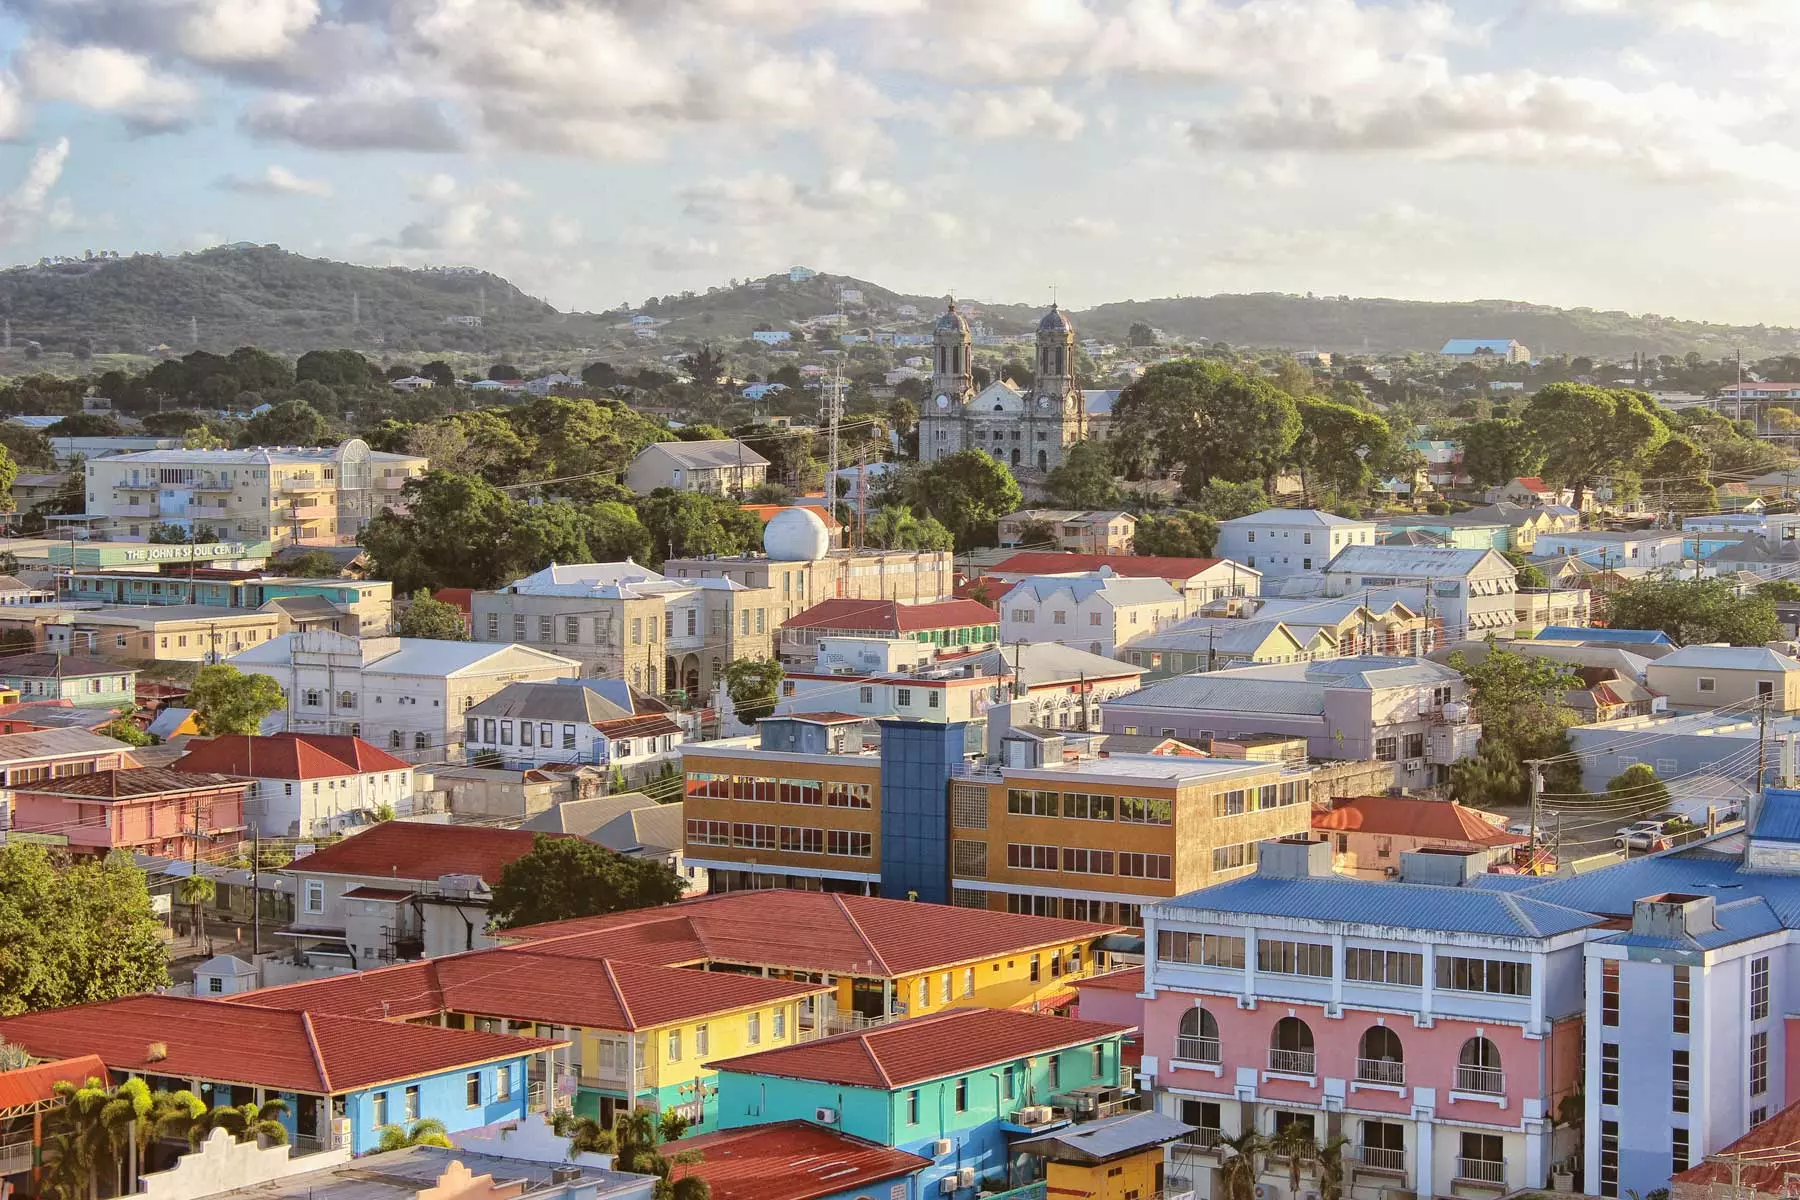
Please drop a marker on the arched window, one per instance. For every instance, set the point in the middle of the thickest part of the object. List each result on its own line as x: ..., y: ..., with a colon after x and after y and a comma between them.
x: 1291, y: 1047
x: 1478, y: 1067
x: 1043, y: 460
x: 1379, y: 1058
x: 421, y: 741
x: 395, y: 740
x: 1198, y: 1038
x: 1015, y: 456
x: 346, y: 699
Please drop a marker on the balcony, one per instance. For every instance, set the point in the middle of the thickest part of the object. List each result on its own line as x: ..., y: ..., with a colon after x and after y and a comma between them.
x: 211, y: 485
x: 1485, y: 1081
x: 1373, y: 1070
x: 1291, y: 1062
x: 306, y: 512
x: 1482, y: 1170
x: 17, y: 1153
x: 392, y: 483
x: 613, y: 1080
x: 1197, y: 1049
x: 305, y: 483
x: 1377, y: 1158
x: 1202, y: 1141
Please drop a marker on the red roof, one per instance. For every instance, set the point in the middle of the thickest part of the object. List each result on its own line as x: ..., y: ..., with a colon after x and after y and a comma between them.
x: 812, y: 931
x: 790, y: 1161
x: 526, y: 986
x: 1400, y: 816
x: 1131, y: 566
x: 767, y: 511
x: 288, y: 756
x: 463, y: 598
x: 909, y: 1052
x: 1129, y: 980
x: 1765, y: 1155
x: 414, y: 850
x: 893, y: 616
x: 36, y: 1084
x: 319, y: 1053
x: 1532, y: 483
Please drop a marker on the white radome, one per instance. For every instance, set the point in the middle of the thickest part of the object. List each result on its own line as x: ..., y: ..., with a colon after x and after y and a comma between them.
x: 796, y: 535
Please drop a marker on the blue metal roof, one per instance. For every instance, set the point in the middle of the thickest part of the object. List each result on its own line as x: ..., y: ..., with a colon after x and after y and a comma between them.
x: 1394, y: 905
x: 1779, y: 820
x: 1738, y: 921
x: 1573, y: 633
x: 1611, y: 891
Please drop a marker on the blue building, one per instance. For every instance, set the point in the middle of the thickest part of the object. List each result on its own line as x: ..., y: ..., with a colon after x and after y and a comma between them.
x: 959, y: 1088
x: 342, y: 1078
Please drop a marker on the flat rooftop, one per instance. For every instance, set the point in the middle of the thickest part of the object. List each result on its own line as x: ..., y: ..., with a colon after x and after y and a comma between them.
x: 403, y: 1174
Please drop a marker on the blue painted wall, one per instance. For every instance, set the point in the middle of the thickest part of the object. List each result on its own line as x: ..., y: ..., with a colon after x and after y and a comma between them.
x: 442, y: 1096
x: 917, y: 759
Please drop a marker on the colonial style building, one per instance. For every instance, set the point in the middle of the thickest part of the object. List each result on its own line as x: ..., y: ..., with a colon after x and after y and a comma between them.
x: 1026, y: 429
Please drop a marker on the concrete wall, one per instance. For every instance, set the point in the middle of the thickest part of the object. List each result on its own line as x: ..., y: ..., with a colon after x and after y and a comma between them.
x: 222, y: 1163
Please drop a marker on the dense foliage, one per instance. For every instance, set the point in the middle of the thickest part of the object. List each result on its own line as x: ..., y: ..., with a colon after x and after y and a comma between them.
x: 565, y: 877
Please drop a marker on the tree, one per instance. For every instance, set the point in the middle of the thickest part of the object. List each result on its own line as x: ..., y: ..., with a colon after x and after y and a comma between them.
x: 439, y: 372
x: 683, y: 524
x: 636, y: 1136
x: 1342, y: 448
x: 1084, y: 478
x: 706, y: 365
x: 586, y: 1135
x: 563, y: 877
x: 1140, y: 334
x: 601, y: 375
x: 225, y: 700
x: 426, y: 1131
x: 1498, y: 451
x: 1205, y: 420
x: 428, y: 618
x: 1520, y: 701
x: 74, y: 932
x: 290, y: 423
x: 1693, y: 611
x: 311, y: 564
x: 454, y: 533
x: 197, y: 891
x: 333, y: 369
x: 1179, y: 534
x: 84, y: 424
x: 123, y: 729
x: 1227, y: 501
x: 1530, y: 575
x: 894, y: 527
x: 752, y: 684
x: 1636, y: 792
x: 29, y: 448
x: 614, y: 532
x: 89, y: 1135
x: 246, y: 1122
x: 1294, y: 1142
x: 968, y: 492
x: 1237, y: 1164
x: 1331, y: 1168
x: 1778, y: 590
x: 1588, y: 431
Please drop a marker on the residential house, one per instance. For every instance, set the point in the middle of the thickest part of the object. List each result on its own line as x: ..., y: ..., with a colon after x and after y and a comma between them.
x: 1700, y: 678
x: 945, y: 625
x: 307, y: 785
x: 1643, y: 548
x: 226, y: 1169
x: 1486, y: 351
x: 83, y: 682
x: 1220, y: 643
x: 1408, y: 712
x: 15, y: 592
x: 1472, y: 591
x: 1528, y: 522
x: 1436, y: 1026
x: 342, y: 1078
x: 1757, y: 1166
x: 404, y: 694
x: 1116, y: 1158
x: 629, y: 823
x: 526, y: 725
x: 1443, y: 463
x: 33, y: 756
x: 721, y: 467
x: 624, y: 621
x: 1082, y: 532
x: 142, y: 810
x: 1097, y: 612
x: 797, y: 1160
x: 1291, y: 541
x: 1367, y: 624
x: 1368, y: 834
x: 31, y: 489
x: 1611, y: 680
x: 1199, y: 579
x: 1456, y: 532
x: 1531, y: 490
x: 174, y: 633
x: 948, y: 1087
x: 398, y: 891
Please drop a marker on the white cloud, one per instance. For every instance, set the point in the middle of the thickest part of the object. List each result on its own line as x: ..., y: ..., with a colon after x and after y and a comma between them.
x: 1095, y: 227
x: 30, y: 199
x: 276, y: 180
x: 234, y: 31
x: 108, y: 80
x: 766, y: 198
x: 378, y: 115
x: 1735, y: 20
x: 1016, y: 112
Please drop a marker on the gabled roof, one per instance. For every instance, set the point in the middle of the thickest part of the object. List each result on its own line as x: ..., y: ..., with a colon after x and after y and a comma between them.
x: 627, y: 822
x: 1128, y: 566
x: 60, y: 666
x: 792, y: 1160
x: 1100, y: 1141
x: 1040, y: 664
x: 36, y: 1084
x: 1409, y: 561
x: 550, y: 702
x: 1760, y: 1163
x: 1117, y: 589
x: 891, y: 615
x: 1389, y: 905
x: 1296, y: 517
x: 719, y: 452
x: 1623, y: 637
x: 317, y: 1053
x: 812, y: 931
x: 1285, y: 687
x: 288, y: 756
x: 1403, y: 816
x: 1728, y: 658
x: 133, y: 784
x: 908, y: 1052
x: 414, y: 850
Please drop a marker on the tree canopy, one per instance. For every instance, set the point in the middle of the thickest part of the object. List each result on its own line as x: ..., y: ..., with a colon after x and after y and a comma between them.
x: 74, y: 931
x: 1182, y: 533
x: 1587, y: 431
x: 1205, y: 420
x: 428, y: 618
x: 563, y: 877
x: 226, y: 700
x: 1519, y: 700
x: 967, y: 492
x: 753, y: 684
x: 1693, y: 611
x: 1084, y: 478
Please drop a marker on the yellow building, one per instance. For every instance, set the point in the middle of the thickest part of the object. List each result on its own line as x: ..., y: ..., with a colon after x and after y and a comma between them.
x: 1114, y: 1158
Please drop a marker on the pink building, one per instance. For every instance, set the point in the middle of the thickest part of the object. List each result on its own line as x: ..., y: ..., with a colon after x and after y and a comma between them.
x: 1433, y: 1021
x: 147, y: 810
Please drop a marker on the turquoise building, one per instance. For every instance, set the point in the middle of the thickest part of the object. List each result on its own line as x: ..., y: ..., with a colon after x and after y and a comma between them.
x: 83, y: 682
x: 958, y: 1089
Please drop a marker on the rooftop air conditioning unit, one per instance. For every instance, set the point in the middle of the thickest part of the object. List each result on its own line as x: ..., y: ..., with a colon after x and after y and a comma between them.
x: 825, y: 1116
x: 947, y: 1185
x: 966, y: 1177
x: 1415, y: 764
x: 942, y: 1147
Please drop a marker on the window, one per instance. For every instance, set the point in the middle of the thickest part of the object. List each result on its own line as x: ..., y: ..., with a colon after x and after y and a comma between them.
x: 848, y: 844
x: 1384, y: 966
x: 968, y: 981
x: 1025, y: 857
x: 753, y: 1029
x: 1238, y: 854
x: 780, y: 1023
x: 1415, y: 745
x: 912, y: 1107
x: 1678, y: 1073
x: 1055, y: 1072
x: 1387, y: 749
x: 962, y: 1094
x: 1609, y: 992
x: 674, y: 1045
x: 312, y: 698
x: 524, y: 733
x: 571, y: 630
x: 315, y: 896
x: 1484, y: 975
x: 1384, y: 1145
x: 472, y: 1089
x: 503, y: 1083
x: 1144, y: 866
x: 1200, y: 949
x: 1759, y: 988
x: 1706, y: 683
x: 1293, y: 958
x: 867, y: 695
x: 932, y: 698
x: 568, y: 737
x: 702, y: 1041
x: 1059, y: 617
x: 544, y: 628
x: 1228, y: 804
x: 797, y: 839
x: 1143, y: 810
x: 1483, y: 1158
x: 1758, y: 1116
x: 1678, y: 1151
x: 1291, y: 1047
x: 1093, y: 618
x: 411, y: 1110
x: 924, y: 990
x: 944, y: 988
x: 379, y: 1108
x: 903, y: 697
x: 1085, y: 807
x: 421, y: 741
x: 1478, y: 1068
x: 1759, y: 1064
x: 215, y: 984
x: 1683, y: 1002
x: 1087, y: 862
x: 1024, y: 802
x: 1609, y: 1073
x: 1609, y: 1158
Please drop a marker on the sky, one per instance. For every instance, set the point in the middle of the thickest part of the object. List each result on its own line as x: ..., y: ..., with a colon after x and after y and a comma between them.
x: 1632, y: 154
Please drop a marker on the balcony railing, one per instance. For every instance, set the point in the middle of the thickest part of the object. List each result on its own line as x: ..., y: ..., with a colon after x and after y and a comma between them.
x: 606, y: 1080
x: 1482, y: 1170
x: 1291, y: 1062
x: 17, y: 1153
x: 1380, y: 1070
x: 1379, y: 1158
x: 1488, y: 1081
x: 1197, y: 1049
x: 1202, y: 1141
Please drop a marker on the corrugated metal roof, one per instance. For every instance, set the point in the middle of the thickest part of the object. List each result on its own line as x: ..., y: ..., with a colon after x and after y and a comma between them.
x: 725, y: 452
x: 1779, y: 820
x: 1291, y: 516
x: 1098, y: 1141
x: 1612, y: 891
x: 1116, y: 588
x: 1728, y: 658
x: 1391, y: 905
x: 1738, y: 921
x: 1626, y: 637
x: 1407, y: 561
x: 1287, y: 687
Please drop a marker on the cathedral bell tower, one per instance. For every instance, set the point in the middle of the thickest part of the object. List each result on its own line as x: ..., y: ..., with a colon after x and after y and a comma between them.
x: 952, y: 377
x: 1055, y: 390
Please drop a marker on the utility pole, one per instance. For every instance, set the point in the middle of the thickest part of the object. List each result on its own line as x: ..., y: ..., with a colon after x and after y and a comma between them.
x: 1537, y: 792
x: 255, y: 895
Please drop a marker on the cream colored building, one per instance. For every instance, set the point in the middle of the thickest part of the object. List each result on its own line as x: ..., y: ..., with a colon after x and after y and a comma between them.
x: 909, y: 576
x: 1697, y: 678
x: 182, y: 632
x: 285, y: 494
x: 721, y: 467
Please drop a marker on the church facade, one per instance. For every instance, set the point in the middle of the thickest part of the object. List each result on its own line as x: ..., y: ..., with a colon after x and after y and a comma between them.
x: 1027, y: 429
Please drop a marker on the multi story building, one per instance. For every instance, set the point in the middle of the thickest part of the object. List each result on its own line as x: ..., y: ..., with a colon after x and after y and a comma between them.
x: 32, y: 757
x: 527, y: 725
x: 361, y: 607
x: 624, y: 621
x: 83, y: 682
x: 1280, y: 542
x: 1107, y: 532
x: 1370, y: 834
x: 1702, y: 678
x: 404, y: 694
x: 1405, y: 711
x: 167, y: 633
x: 1199, y: 579
x: 1027, y: 429
x: 1098, y: 612
x: 1435, y: 1025
x: 724, y: 467
x: 1473, y: 591
x: 909, y: 576
x: 309, y: 784
x: 141, y: 810
x: 947, y: 625
x: 284, y: 494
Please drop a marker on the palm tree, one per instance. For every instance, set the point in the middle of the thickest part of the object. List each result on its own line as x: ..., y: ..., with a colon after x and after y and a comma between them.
x: 88, y: 1131
x: 1331, y: 1168
x: 1295, y: 1143
x: 246, y: 1122
x: 672, y: 1125
x: 636, y: 1134
x: 197, y: 891
x: 171, y: 1114
x: 1237, y: 1164
x: 426, y: 1131
x: 585, y: 1134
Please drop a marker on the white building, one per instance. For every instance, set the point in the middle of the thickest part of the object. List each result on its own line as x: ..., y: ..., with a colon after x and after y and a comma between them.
x: 1290, y: 541
x: 312, y: 784
x: 405, y: 694
x: 600, y: 722
x: 1474, y: 592
x: 1097, y: 612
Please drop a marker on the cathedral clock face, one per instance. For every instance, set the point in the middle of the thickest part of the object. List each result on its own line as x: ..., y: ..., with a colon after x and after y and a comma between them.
x: 1043, y: 402
x: 943, y: 401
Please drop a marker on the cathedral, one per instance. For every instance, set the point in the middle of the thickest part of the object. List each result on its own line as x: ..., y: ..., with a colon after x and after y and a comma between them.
x: 1027, y: 430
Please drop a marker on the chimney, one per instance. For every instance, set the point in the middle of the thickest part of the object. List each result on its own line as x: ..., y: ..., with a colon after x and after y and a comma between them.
x: 1300, y: 856
x: 1673, y: 915
x: 1441, y: 866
